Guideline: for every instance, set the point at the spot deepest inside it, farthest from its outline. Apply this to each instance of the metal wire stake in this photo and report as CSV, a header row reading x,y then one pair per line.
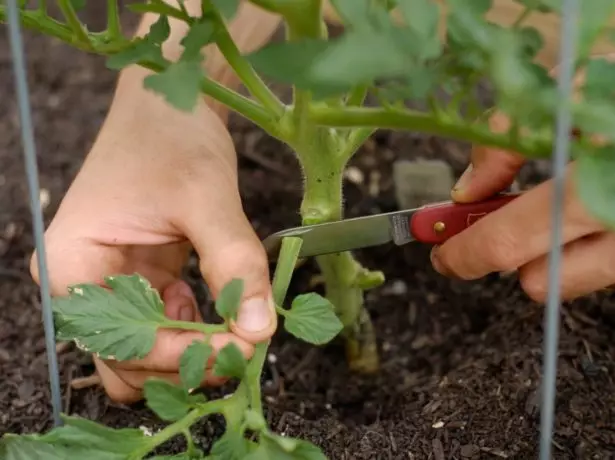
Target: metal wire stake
x,y
561,155
27,136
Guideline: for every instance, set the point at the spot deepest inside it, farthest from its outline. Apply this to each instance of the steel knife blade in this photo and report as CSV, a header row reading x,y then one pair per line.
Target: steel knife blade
x,y
430,224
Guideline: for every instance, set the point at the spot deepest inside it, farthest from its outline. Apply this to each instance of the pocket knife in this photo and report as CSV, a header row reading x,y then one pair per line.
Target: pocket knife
x,y
430,224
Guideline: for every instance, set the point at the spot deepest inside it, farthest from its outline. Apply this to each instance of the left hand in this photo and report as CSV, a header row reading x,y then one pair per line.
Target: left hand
x,y
517,236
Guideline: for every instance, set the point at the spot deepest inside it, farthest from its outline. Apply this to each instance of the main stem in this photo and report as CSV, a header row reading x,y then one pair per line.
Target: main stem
x,y
323,158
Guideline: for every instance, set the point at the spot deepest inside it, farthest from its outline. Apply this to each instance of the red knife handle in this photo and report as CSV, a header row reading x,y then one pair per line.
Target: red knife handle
x,y
434,224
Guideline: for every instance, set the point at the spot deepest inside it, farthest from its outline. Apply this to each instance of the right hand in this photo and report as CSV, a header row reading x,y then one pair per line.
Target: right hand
x,y
156,183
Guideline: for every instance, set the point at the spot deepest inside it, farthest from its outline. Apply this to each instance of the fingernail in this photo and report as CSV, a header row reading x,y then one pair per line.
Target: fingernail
x,y
254,315
186,313
464,180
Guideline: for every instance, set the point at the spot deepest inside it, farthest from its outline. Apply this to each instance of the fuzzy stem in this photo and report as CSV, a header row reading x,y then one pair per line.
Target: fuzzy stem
x,y
42,6
322,202
185,423
206,329
347,117
246,73
73,21
287,260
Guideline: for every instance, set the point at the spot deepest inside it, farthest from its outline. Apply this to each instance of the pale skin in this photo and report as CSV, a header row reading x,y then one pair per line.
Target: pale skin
x,y
158,182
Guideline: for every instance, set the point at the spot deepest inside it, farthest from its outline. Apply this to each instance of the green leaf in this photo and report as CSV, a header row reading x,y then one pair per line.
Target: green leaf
x,y
227,8
81,432
229,299
160,31
595,183
355,14
593,22
120,323
168,401
312,318
179,84
290,63
192,364
230,362
532,40
159,7
360,58
148,48
199,35
31,448
422,17
599,80
275,447
230,446
13,447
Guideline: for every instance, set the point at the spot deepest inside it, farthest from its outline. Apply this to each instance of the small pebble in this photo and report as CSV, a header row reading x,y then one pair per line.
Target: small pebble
x,y
418,183
45,198
438,425
397,287
354,175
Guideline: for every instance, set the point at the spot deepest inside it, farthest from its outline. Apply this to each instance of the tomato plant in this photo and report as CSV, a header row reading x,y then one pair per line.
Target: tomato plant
x,y
428,46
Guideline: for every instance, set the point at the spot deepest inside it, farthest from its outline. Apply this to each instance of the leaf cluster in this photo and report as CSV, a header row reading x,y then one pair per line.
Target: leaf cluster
x,y
119,321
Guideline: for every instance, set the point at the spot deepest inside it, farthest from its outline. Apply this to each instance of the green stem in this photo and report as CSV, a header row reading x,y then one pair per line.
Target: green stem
x,y
322,202
73,21
191,449
206,329
289,254
357,96
531,146
35,20
244,106
246,72
42,6
170,431
113,20
355,140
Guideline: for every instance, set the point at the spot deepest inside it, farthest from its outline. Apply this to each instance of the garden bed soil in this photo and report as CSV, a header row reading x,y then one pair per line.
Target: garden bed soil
x,y
461,361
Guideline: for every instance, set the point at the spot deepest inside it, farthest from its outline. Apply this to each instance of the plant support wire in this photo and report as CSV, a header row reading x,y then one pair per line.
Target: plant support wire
x,y
29,151
561,154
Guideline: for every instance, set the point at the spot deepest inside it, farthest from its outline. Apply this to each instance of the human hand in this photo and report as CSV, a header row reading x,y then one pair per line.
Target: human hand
x,y
156,182
518,235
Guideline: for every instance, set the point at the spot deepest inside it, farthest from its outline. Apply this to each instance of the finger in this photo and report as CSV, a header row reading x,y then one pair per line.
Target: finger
x,y
491,170
229,248
513,235
116,388
584,269
171,344
137,379
180,303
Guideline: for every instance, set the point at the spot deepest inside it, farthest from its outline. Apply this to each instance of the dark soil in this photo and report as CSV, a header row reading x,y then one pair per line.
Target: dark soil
x,y
461,362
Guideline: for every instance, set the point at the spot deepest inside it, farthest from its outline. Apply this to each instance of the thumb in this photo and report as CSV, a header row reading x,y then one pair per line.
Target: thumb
x,y
228,248
491,170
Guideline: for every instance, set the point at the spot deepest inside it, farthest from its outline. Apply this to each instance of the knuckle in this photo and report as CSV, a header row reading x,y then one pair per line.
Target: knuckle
x,y
245,259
